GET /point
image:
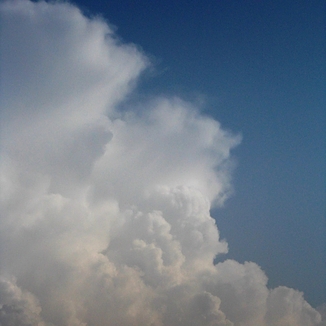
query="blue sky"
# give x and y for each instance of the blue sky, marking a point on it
(258, 68)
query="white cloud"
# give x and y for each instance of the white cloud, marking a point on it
(105, 215)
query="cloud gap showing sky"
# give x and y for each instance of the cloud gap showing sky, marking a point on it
(105, 214)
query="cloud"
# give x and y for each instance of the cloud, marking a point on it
(105, 214)
(17, 307)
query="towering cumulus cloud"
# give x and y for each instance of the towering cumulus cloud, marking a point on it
(105, 214)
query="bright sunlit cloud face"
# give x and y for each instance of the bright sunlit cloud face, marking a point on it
(105, 216)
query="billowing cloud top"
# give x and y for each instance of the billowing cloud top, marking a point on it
(105, 215)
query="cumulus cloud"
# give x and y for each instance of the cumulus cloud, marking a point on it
(105, 214)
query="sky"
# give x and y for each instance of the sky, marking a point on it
(162, 164)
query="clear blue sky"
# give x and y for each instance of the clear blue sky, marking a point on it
(260, 67)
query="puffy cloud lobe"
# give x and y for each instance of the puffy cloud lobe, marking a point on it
(287, 307)
(151, 144)
(105, 215)
(17, 307)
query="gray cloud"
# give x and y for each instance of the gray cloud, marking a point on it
(105, 215)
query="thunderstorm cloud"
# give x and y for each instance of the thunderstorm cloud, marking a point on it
(105, 213)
